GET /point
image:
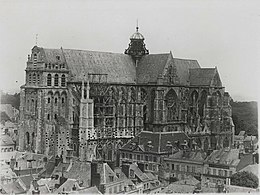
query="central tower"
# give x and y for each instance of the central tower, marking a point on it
(136, 47)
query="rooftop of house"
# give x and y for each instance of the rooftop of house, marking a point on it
(67, 186)
(6, 140)
(9, 110)
(224, 156)
(91, 190)
(27, 180)
(156, 142)
(250, 138)
(13, 188)
(251, 169)
(190, 155)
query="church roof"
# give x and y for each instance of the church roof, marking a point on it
(152, 66)
(202, 76)
(120, 68)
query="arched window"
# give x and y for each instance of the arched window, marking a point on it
(49, 80)
(56, 80)
(55, 101)
(34, 78)
(202, 103)
(193, 98)
(48, 117)
(172, 106)
(63, 80)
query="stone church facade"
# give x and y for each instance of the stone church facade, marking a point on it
(92, 103)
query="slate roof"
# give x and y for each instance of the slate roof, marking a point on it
(150, 66)
(91, 190)
(120, 68)
(13, 188)
(197, 155)
(178, 188)
(66, 186)
(202, 76)
(141, 175)
(224, 156)
(6, 140)
(80, 171)
(251, 169)
(158, 140)
(4, 116)
(27, 179)
(251, 138)
(182, 67)
(9, 110)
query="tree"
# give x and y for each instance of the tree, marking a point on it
(245, 179)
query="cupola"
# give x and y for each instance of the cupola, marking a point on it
(136, 47)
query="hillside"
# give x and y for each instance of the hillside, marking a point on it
(245, 117)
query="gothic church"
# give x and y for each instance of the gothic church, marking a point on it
(88, 104)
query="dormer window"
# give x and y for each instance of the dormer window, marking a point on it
(58, 58)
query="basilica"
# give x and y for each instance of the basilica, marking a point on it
(88, 104)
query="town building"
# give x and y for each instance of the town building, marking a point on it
(220, 165)
(92, 103)
(147, 149)
(184, 163)
(6, 143)
(112, 181)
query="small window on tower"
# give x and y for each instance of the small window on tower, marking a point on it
(48, 117)
(49, 80)
(58, 58)
(56, 80)
(34, 78)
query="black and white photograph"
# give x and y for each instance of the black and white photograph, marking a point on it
(129, 97)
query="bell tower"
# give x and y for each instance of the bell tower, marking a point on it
(136, 47)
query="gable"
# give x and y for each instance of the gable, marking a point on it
(150, 67)
(216, 80)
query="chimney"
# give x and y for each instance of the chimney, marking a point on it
(111, 164)
(125, 169)
(12, 163)
(62, 178)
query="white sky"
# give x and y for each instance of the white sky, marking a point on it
(220, 33)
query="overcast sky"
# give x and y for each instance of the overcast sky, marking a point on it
(216, 33)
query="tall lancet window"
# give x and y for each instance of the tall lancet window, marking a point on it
(63, 80)
(172, 106)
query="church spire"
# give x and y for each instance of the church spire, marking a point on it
(136, 47)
